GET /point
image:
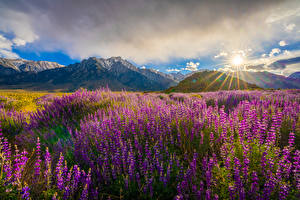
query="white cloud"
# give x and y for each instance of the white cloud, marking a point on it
(291, 69)
(19, 24)
(6, 48)
(191, 66)
(173, 70)
(264, 55)
(221, 54)
(274, 51)
(8, 54)
(143, 67)
(5, 43)
(19, 42)
(290, 27)
(286, 52)
(282, 43)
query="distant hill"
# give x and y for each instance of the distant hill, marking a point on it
(92, 73)
(210, 81)
(269, 80)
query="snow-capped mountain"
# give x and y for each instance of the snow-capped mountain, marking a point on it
(12, 66)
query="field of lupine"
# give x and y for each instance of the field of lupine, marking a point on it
(108, 145)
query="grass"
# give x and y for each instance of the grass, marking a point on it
(23, 100)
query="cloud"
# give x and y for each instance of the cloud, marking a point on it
(8, 54)
(143, 67)
(5, 43)
(274, 51)
(19, 42)
(259, 67)
(191, 66)
(291, 69)
(276, 65)
(6, 48)
(290, 27)
(221, 54)
(143, 30)
(173, 70)
(288, 10)
(282, 43)
(18, 23)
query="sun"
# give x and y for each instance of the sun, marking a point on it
(237, 60)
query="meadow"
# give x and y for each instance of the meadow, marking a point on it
(124, 145)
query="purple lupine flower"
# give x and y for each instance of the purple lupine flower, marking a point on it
(211, 138)
(178, 197)
(25, 192)
(254, 184)
(237, 178)
(47, 173)
(283, 191)
(84, 194)
(17, 169)
(242, 194)
(216, 197)
(7, 168)
(269, 186)
(264, 162)
(76, 179)
(296, 171)
(37, 165)
(208, 194)
(291, 139)
(54, 196)
(59, 172)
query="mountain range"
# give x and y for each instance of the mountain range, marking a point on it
(269, 80)
(91, 73)
(118, 74)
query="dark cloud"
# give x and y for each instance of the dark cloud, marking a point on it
(276, 65)
(282, 64)
(259, 67)
(144, 30)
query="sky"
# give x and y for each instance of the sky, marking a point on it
(167, 35)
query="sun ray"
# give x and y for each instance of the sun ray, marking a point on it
(237, 79)
(222, 73)
(225, 80)
(243, 78)
(232, 76)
